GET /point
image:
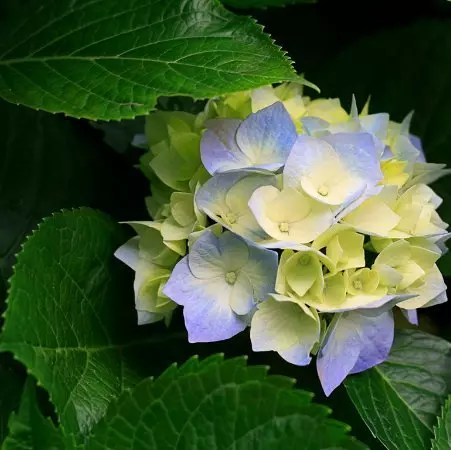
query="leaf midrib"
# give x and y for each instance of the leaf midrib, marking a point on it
(6, 346)
(9, 62)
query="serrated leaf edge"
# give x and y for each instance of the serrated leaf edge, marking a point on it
(440, 421)
(218, 4)
(23, 245)
(29, 238)
(205, 364)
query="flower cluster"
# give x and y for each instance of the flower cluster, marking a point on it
(291, 217)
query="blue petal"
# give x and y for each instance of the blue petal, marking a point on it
(218, 149)
(411, 315)
(313, 125)
(267, 136)
(377, 340)
(205, 257)
(261, 269)
(234, 251)
(208, 316)
(212, 256)
(386, 153)
(354, 342)
(416, 142)
(360, 153)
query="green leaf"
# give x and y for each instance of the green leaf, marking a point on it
(111, 59)
(382, 65)
(30, 430)
(48, 162)
(71, 318)
(214, 405)
(442, 432)
(400, 399)
(263, 3)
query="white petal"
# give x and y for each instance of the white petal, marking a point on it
(363, 218)
(128, 253)
(261, 269)
(284, 327)
(432, 288)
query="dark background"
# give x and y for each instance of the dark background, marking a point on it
(313, 33)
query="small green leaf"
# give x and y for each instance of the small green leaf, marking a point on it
(218, 405)
(111, 59)
(71, 318)
(263, 3)
(400, 399)
(30, 430)
(442, 432)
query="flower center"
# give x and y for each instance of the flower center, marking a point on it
(284, 227)
(231, 217)
(304, 260)
(357, 284)
(230, 277)
(323, 190)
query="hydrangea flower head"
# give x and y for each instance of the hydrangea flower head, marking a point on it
(293, 217)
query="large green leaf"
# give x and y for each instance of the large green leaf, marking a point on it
(70, 316)
(399, 400)
(30, 430)
(48, 162)
(216, 404)
(403, 69)
(442, 432)
(111, 59)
